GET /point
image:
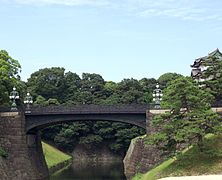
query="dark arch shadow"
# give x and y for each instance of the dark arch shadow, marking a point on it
(38, 122)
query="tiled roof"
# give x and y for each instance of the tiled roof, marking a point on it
(198, 61)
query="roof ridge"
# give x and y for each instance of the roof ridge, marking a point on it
(214, 52)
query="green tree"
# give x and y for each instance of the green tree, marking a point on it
(90, 140)
(68, 134)
(9, 76)
(48, 82)
(130, 91)
(124, 133)
(52, 101)
(166, 78)
(72, 88)
(148, 85)
(189, 120)
(40, 100)
(213, 77)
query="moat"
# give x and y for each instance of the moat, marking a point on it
(110, 171)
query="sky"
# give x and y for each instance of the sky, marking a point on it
(114, 38)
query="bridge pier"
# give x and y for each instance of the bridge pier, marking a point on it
(25, 160)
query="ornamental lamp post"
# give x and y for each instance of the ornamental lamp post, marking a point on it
(14, 95)
(28, 101)
(157, 96)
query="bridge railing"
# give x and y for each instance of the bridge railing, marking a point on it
(132, 108)
(89, 109)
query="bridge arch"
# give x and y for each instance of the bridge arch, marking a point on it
(41, 117)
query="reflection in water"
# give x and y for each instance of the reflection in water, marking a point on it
(108, 171)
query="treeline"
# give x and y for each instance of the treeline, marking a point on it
(55, 86)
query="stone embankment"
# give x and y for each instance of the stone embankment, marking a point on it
(95, 154)
(140, 158)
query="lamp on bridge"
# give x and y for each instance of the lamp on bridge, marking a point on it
(28, 101)
(13, 96)
(157, 96)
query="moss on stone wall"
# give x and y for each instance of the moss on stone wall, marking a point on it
(3, 153)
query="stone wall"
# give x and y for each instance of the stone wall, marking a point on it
(140, 158)
(25, 159)
(94, 154)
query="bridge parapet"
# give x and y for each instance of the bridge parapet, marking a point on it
(158, 111)
(8, 114)
(217, 109)
(88, 109)
(162, 111)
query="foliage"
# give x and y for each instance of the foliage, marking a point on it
(92, 133)
(71, 91)
(213, 76)
(129, 91)
(69, 88)
(3, 153)
(90, 140)
(190, 119)
(52, 101)
(166, 78)
(9, 76)
(69, 134)
(47, 82)
(40, 100)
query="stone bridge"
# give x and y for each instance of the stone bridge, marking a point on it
(19, 133)
(40, 117)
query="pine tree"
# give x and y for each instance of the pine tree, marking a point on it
(189, 120)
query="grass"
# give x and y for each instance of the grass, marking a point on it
(53, 156)
(151, 175)
(191, 162)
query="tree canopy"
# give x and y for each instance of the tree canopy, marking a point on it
(213, 77)
(165, 78)
(9, 76)
(189, 120)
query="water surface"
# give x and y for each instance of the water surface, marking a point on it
(99, 171)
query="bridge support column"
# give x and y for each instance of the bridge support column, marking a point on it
(25, 159)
